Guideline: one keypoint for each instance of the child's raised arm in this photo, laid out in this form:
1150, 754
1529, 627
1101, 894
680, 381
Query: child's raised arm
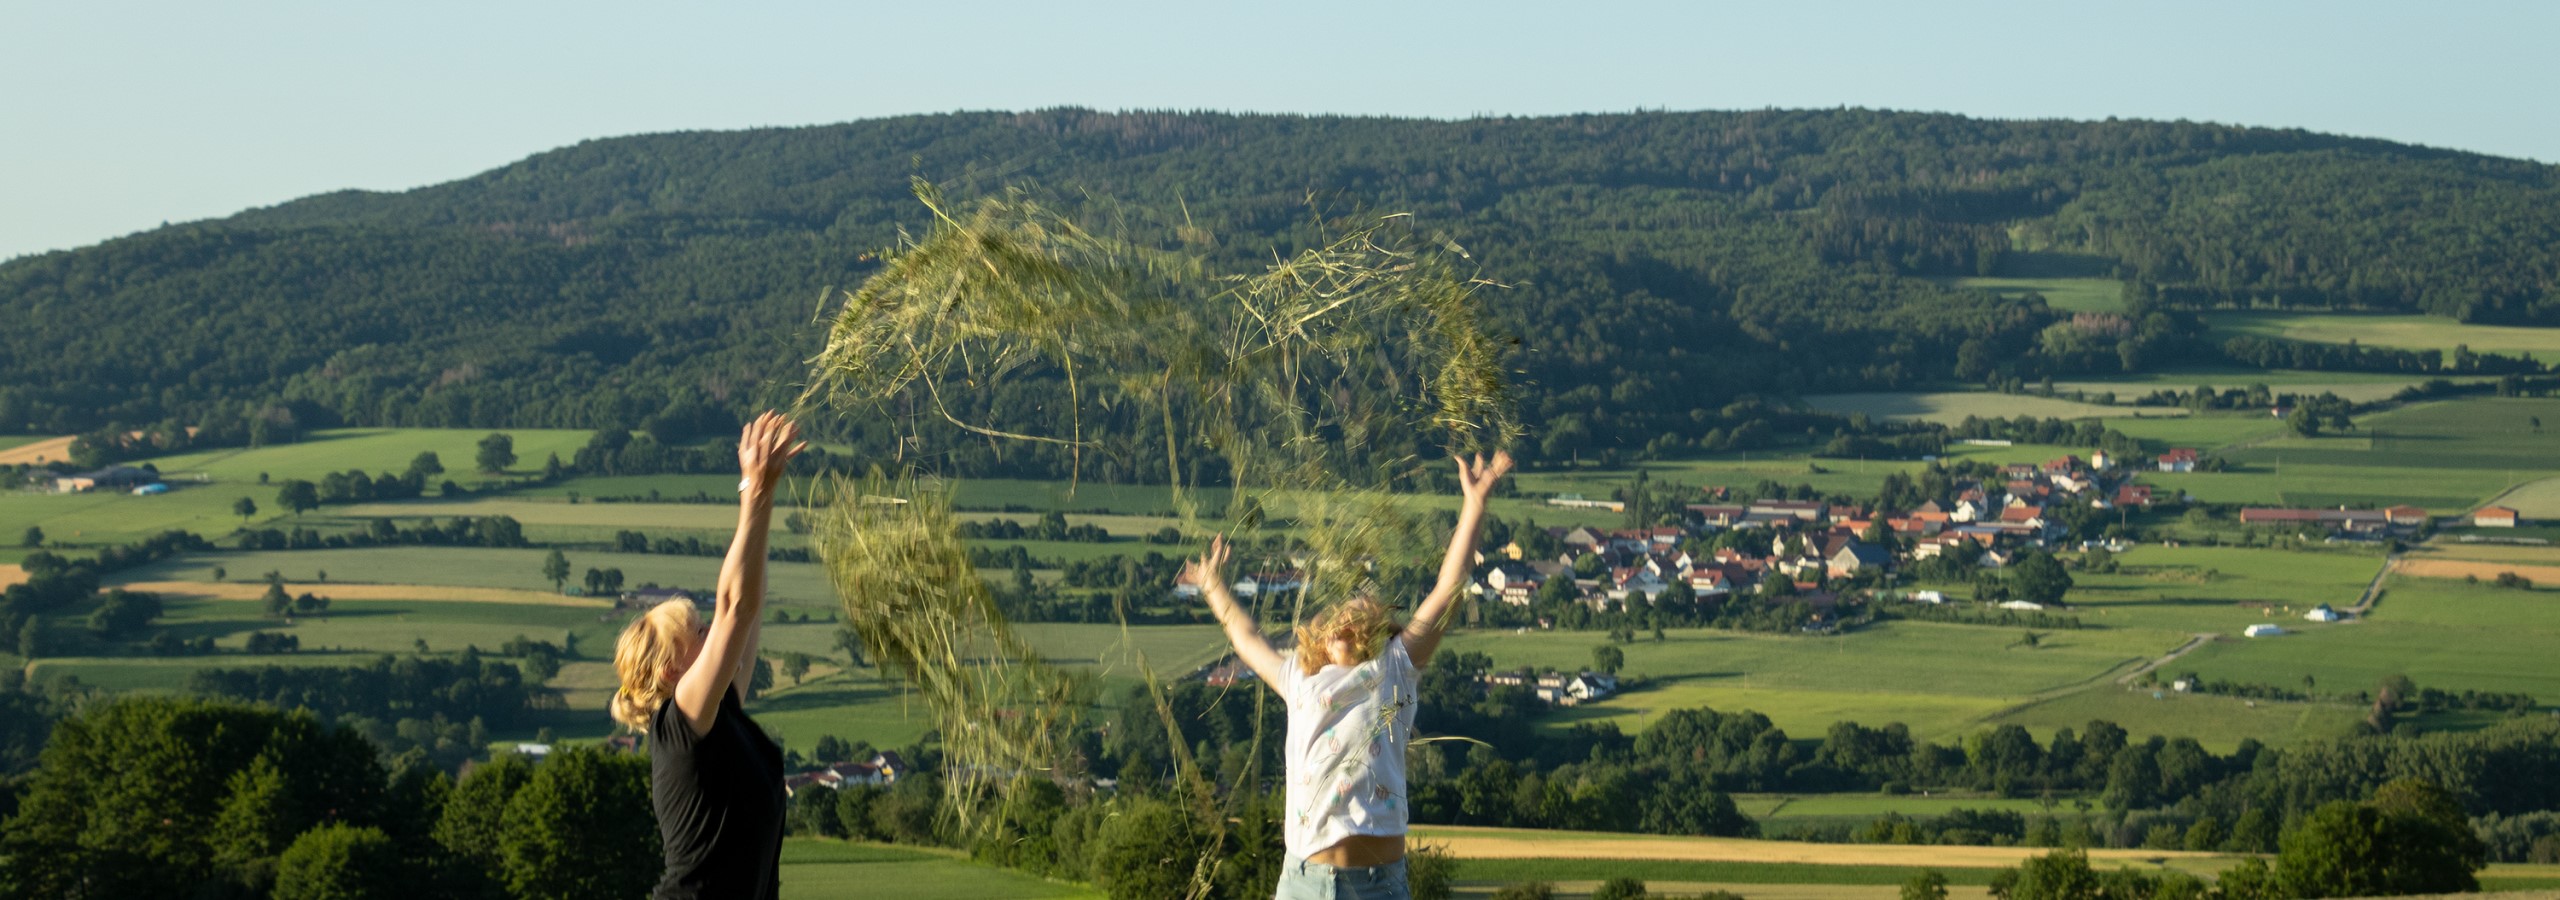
1475, 484
1209, 572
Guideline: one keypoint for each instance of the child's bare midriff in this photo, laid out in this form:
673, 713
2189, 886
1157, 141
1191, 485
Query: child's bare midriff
1361, 851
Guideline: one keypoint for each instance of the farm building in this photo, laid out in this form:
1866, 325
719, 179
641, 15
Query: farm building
109, 477
2322, 613
2405, 514
2493, 517
157, 487
2263, 631
2181, 459
2332, 519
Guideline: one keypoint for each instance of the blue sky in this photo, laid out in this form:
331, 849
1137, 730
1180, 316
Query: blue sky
116, 117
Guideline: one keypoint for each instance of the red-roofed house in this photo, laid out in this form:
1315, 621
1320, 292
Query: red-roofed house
2493, 517
2133, 495
2178, 460
2405, 515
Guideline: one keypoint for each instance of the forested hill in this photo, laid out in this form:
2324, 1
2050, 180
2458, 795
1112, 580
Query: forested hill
1664, 264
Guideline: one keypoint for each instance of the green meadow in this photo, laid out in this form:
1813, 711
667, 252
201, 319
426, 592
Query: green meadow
1941, 680
815, 868
2068, 294
2402, 332
2447, 456
206, 483
2360, 387
799, 586
2219, 589
1951, 407
2442, 633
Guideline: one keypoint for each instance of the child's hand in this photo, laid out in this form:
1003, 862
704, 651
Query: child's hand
766, 446
1476, 482
1209, 571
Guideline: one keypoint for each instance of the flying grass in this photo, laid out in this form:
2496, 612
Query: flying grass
1322, 382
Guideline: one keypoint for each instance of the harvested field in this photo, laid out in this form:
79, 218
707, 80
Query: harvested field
2483, 570
2487, 552
1523, 843
342, 592
45, 450
10, 574
1754, 891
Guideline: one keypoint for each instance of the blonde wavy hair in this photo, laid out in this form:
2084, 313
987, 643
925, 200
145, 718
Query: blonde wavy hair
1361, 622
641, 657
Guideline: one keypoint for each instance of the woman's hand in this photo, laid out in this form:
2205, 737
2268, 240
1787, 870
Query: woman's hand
1209, 571
1475, 482
765, 448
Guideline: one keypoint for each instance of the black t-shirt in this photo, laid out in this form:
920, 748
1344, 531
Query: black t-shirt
719, 800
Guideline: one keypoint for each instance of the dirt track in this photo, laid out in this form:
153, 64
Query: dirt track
2485, 571
252, 590
1504, 843
40, 451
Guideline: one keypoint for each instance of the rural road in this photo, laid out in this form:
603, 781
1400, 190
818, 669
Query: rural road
2198, 641
2373, 591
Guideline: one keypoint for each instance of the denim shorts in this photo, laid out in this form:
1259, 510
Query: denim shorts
1303, 880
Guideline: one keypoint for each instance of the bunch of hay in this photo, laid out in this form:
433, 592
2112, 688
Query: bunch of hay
1310, 389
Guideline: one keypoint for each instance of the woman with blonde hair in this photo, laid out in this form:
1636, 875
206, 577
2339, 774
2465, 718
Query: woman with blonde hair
1350, 686
715, 778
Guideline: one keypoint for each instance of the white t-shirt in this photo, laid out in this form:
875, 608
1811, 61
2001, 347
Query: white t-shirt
1348, 727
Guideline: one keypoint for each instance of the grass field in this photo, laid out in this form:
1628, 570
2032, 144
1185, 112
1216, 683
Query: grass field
2443, 634
800, 586
2446, 456
2219, 723
374, 450
207, 483
2360, 387
2069, 294
2538, 499
1784, 808
1940, 680
1951, 407
2219, 589
2399, 332
818, 868
2205, 432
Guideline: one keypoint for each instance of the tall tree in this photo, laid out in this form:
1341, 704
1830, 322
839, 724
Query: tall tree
497, 452
555, 567
298, 496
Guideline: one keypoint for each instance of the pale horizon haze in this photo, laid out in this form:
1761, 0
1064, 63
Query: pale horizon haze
122, 117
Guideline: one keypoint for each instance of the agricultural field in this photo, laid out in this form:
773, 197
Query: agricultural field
2067, 294
1767, 870
2221, 590
2447, 456
205, 484
2402, 332
2218, 723
798, 586
2537, 499
2441, 633
815, 868
2360, 387
2202, 432
1941, 680
1951, 407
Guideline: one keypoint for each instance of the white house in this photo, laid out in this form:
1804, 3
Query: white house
2263, 631
2322, 613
